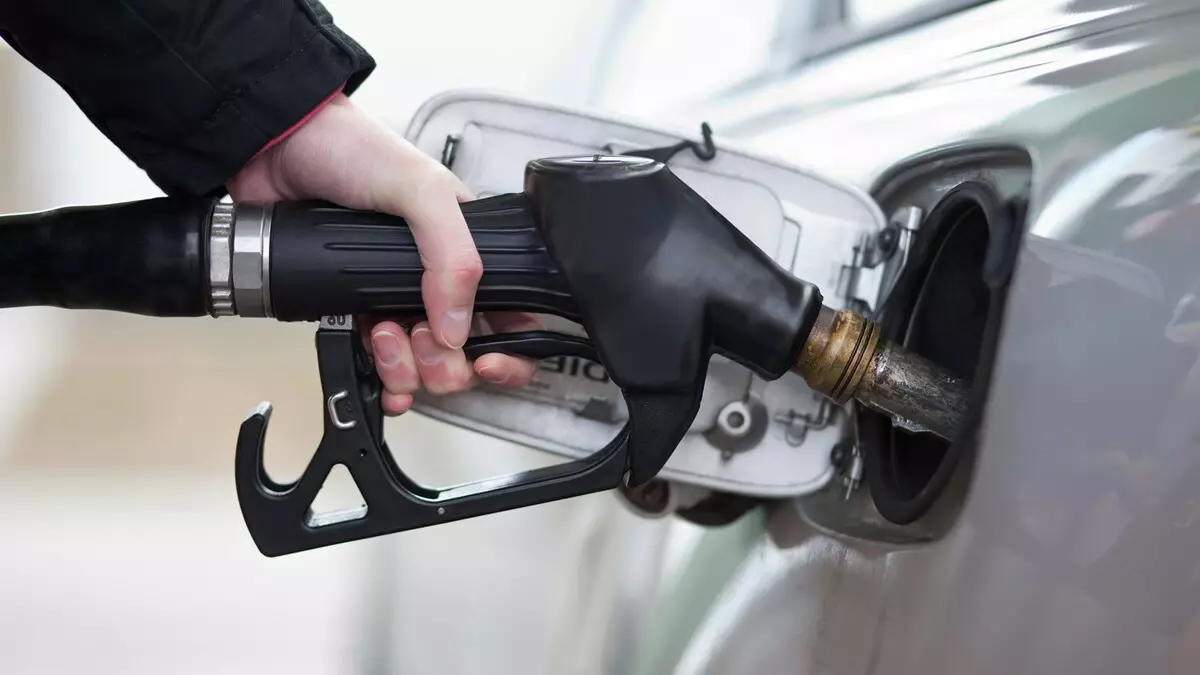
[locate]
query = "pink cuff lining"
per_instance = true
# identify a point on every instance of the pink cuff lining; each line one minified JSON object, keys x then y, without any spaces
{"x":301,"y":123}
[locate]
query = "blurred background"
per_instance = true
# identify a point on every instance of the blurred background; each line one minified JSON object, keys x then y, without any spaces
{"x":121,"y":546}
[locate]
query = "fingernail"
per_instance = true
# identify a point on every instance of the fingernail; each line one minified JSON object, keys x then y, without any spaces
{"x":424,"y":347}
{"x":456,"y":326}
{"x":387,"y":348}
{"x":493,"y":374}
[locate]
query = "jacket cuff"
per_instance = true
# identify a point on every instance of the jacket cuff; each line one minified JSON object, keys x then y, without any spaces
{"x":261,"y":113}
{"x":304,"y":120}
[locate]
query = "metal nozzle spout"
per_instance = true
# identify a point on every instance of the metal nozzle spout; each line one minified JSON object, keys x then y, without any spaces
{"x":845,"y":357}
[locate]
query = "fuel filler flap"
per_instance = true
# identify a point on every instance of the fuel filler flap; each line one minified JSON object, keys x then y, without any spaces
{"x":750,"y":437}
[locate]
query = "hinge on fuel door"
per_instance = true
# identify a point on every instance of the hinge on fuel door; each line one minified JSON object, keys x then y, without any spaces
{"x":876,"y":260}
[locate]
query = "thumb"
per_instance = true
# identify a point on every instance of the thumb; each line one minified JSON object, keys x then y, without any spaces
{"x":452,"y":264}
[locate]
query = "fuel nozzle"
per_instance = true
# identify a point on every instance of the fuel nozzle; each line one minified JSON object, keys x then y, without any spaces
{"x":845,"y":357}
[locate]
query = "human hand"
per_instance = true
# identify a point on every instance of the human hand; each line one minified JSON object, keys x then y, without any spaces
{"x":342,"y":155}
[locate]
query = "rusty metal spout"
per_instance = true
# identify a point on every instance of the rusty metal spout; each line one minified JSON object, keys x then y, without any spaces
{"x":845,"y":357}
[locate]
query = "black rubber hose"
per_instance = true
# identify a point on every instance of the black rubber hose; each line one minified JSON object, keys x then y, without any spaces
{"x":146,"y":257}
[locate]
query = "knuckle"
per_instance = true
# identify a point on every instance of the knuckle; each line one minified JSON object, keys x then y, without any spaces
{"x":398,"y":383}
{"x":467,"y":271}
{"x":441,"y":383}
{"x":460,"y":264}
{"x":460,"y":379}
{"x":459,"y":270}
{"x":440,"y":387}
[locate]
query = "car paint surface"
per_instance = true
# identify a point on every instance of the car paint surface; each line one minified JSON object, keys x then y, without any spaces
{"x":1076,"y":545}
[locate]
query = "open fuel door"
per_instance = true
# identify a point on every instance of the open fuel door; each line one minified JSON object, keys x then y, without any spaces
{"x":751,"y":437}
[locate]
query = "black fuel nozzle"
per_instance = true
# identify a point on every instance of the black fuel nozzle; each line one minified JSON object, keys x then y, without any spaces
{"x":659,"y":280}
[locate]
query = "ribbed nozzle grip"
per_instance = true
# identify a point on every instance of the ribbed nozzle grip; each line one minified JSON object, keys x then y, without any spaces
{"x":328,"y":260}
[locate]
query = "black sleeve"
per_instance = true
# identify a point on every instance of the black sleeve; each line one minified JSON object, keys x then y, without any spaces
{"x":189,"y":90}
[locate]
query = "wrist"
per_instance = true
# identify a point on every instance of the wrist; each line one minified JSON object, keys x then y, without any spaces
{"x":336,"y":97}
{"x":260,"y":179}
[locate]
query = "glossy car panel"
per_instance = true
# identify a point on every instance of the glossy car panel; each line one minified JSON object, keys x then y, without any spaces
{"x":1075,"y":548}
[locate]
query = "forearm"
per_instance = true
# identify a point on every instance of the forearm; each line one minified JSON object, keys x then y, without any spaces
{"x":189,"y":90}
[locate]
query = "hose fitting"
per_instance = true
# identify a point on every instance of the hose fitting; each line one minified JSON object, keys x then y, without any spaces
{"x":838,"y":353}
{"x":845,"y":357}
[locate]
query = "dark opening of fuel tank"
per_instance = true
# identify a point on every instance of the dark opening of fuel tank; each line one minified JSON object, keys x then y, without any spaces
{"x":939,"y":308}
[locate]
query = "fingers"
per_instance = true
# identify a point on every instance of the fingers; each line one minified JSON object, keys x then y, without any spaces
{"x":395,"y":365}
{"x":408,"y":361}
{"x":453,"y":268}
{"x":505,"y":371}
{"x":396,"y":404}
{"x":452,"y":263}
{"x":442,"y":370}
{"x":500,"y":369}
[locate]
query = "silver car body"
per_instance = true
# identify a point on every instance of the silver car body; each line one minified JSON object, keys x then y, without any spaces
{"x":1065,"y":539}
{"x":1071,"y":542}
